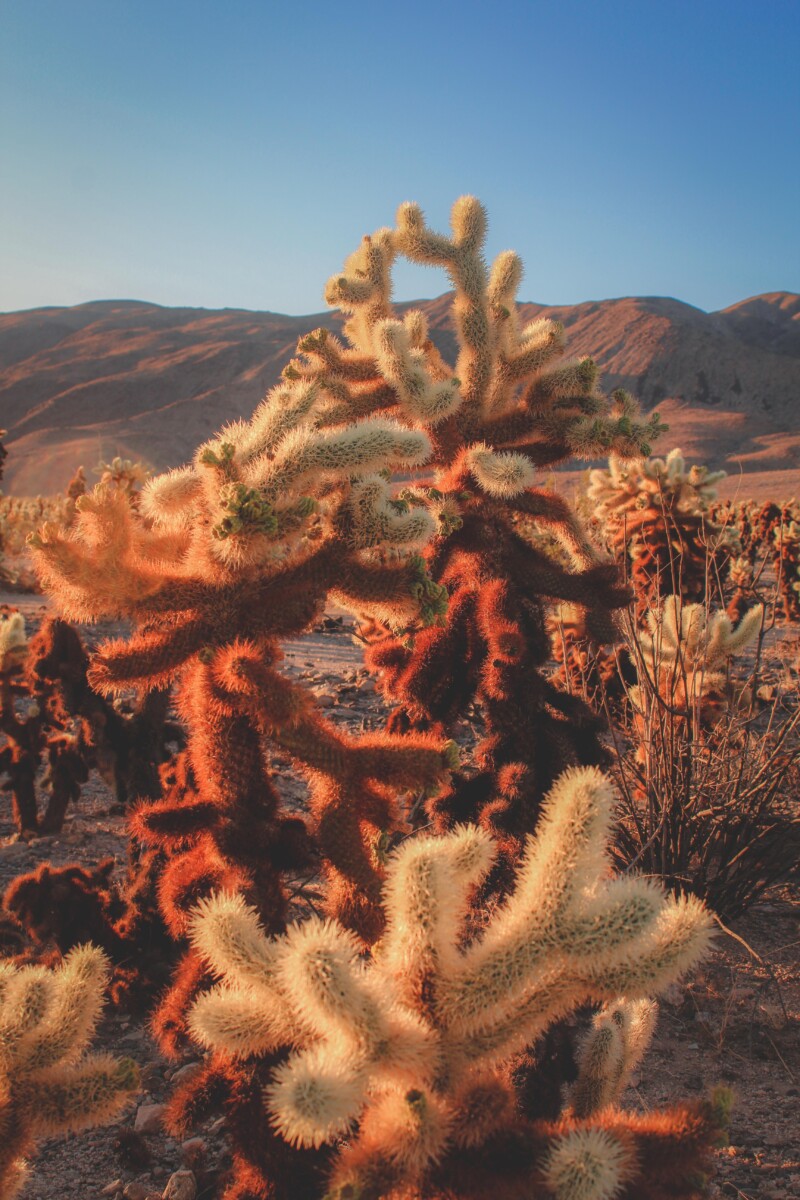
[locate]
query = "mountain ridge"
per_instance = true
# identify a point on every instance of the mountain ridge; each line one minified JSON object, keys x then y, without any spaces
{"x":150,"y":381}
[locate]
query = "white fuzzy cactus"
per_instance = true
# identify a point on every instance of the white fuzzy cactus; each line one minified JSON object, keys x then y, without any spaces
{"x":500,"y":473}
{"x":401,"y":1045}
{"x":587,"y":1164}
{"x":13,"y":639}
{"x":258,"y":497}
{"x":686,"y":651}
{"x":48,"y":1084}
{"x":741,"y":572}
{"x":628,"y":488}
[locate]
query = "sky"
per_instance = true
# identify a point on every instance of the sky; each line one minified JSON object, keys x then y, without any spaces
{"x":232,"y":154}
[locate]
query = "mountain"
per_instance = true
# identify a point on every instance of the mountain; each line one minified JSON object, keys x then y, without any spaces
{"x":81,"y":384}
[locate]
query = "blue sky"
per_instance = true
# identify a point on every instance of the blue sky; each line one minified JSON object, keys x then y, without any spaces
{"x":232,"y":154}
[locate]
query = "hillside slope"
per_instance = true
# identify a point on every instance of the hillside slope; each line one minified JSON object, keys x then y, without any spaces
{"x":80,"y":384}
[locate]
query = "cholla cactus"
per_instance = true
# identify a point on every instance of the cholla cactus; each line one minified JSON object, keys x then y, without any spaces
{"x":48,"y":1084}
{"x":221,"y":561}
{"x":227,"y":556}
{"x":13,"y":639}
{"x":686,"y":654}
{"x":741,"y":575}
{"x":657,"y":512}
{"x":403,"y":1054}
{"x":39,"y":731}
{"x":597,"y":673}
{"x":627,"y":488}
{"x":507,"y":406}
{"x":123,"y":475}
{"x":49,"y":714}
{"x":786,"y":542}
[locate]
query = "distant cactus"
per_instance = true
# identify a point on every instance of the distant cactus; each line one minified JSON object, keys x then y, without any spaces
{"x":403,"y":1055}
{"x":48,"y":1084}
{"x":657,"y":513}
{"x":39,"y":731}
{"x":595,"y":672}
{"x":686,"y":651}
{"x":50,"y":715}
{"x":786,"y":542}
{"x":741,"y":575}
{"x":768,"y":534}
{"x":122,"y":474}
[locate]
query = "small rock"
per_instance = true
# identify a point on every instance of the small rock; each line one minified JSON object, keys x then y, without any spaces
{"x":186,"y":1072}
{"x":193,"y":1151}
{"x":148,"y":1118}
{"x":111,"y":1189}
{"x":181,"y":1186}
{"x":135,"y":1191}
{"x":151,"y":1074}
{"x":326,"y":700}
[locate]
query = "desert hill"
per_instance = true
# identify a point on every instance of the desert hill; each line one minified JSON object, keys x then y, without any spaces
{"x":84,"y":383}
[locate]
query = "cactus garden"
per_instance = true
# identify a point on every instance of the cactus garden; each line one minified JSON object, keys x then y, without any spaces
{"x":380,"y":819}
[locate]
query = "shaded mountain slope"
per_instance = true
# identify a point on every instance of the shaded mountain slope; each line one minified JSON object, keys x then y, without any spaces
{"x":85,"y":383}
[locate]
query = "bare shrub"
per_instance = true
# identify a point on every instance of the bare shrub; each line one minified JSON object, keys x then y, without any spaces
{"x":708,"y":764}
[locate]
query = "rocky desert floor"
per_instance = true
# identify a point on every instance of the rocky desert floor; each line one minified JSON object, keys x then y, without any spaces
{"x":735,"y":1022}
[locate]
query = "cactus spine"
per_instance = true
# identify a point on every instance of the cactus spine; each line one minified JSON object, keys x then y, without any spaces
{"x":48,"y":1084}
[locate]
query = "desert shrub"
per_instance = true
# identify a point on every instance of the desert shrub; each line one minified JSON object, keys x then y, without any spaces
{"x":707,"y":771}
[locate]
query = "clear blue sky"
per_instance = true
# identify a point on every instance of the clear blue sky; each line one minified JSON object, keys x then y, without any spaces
{"x":191,"y":152}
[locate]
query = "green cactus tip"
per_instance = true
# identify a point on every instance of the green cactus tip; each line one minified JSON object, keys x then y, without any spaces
{"x":247,"y":511}
{"x":432,"y":597}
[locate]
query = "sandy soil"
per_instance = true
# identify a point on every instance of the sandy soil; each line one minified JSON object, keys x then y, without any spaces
{"x":735,"y":1022}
